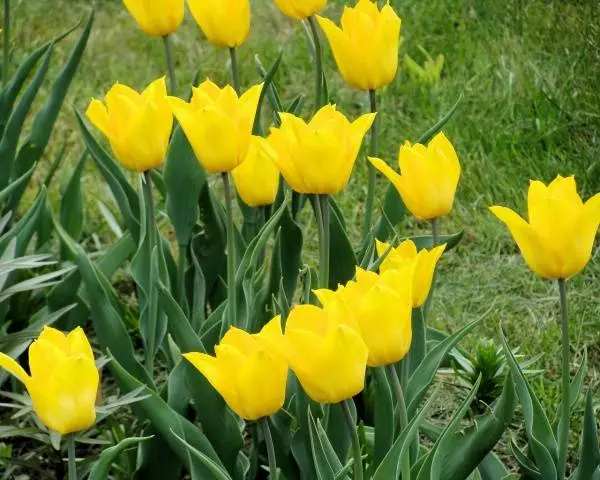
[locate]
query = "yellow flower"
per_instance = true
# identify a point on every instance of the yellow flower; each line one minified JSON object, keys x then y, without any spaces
{"x":257,"y":178}
{"x":225,"y":23}
{"x":64,"y":380}
{"x":328,"y":357}
{"x":156,"y":17}
{"x":300,"y":9}
{"x":248,"y":374}
{"x":557,"y":242}
{"x":379,"y":307}
{"x":428,"y":177}
{"x":366,"y":47}
{"x":218,"y":124}
{"x":138,"y":126}
{"x":425,"y":262}
{"x":318,"y":157}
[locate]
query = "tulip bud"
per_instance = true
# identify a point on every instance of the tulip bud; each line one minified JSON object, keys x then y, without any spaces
{"x":225,"y":23}
{"x":300,"y":9}
{"x":158,"y":17}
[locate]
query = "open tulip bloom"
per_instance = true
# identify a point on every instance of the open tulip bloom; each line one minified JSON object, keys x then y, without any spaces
{"x":63,"y":380}
{"x":428,"y":177}
{"x":158,"y":17}
{"x":137,"y":125}
{"x":366,"y":46}
{"x":557,"y":241}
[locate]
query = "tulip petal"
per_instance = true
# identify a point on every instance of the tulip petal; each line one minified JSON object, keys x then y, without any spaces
{"x":11,"y":365}
{"x":426,"y":262}
{"x":44,"y":356}
{"x":565,"y":188}
{"x":240,"y":340}
{"x":79,"y":344}
{"x":390,"y":174}
{"x":98,"y":115}
{"x":66,"y":401}
{"x":211,"y":368}
{"x":307,"y":317}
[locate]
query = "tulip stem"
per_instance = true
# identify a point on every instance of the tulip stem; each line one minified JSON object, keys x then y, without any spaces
{"x":321,"y":207}
{"x":434,"y":231}
{"x":563,"y":426}
{"x":71,"y":465}
{"x":356,"y":452}
{"x":397,"y":386}
{"x":6,"y":47}
{"x":231,"y":297}
{"x":264,"y":424}
{"x":371,"y":169}
{"x":170,"y":64}
{"x":152,"y":240}
{"x":318,"y":62}
{"x":234,"y":69}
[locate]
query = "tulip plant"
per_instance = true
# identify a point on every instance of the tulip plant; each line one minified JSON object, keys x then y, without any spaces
{"x":253,"y":360}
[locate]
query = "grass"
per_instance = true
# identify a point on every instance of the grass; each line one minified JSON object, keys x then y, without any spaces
{"x":528,"y":71}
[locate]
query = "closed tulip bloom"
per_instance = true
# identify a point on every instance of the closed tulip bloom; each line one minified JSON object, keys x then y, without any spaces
{"x":63,"y":383}
{"x":379,"y":307}
{"x":300,"y":9}
{"x":218,"y":124}
{"x":225,"y":23}
{"x":318,"y":157}
{"x":366,"y":46}
{"x":246,"y":371}
{"x":425,"y":262}
{"x":557,"y":241}
{"x":257,"y":178}
{"x":328,"y":357}
{"x":156,"y":17}
{"x":137,"y":125}
{"x":428,"y":177}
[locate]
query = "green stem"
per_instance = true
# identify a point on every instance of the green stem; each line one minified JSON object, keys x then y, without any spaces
{"x":358,"y":467}
{"x":563,"y":427}
{"x":321,"y":207}
{"x":72,"y":466}
{"x":6,"y":47}
{"x":170,"y":64}
{"x":434,"y":231}
{"x":152,"y":240}
{"x":234,"y":70}
{"x":181,"y":264}
{"x":264,"y":424}
{"x":318,"y":63}
{"x":232,"y":305}
{"x":397,"y":387}
{"x":371,"y":181}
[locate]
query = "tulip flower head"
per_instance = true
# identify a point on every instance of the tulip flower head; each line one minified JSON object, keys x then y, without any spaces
{"x":156,"y":17}
{"x":318,"y":157}
{"x":218,"y":124}
{"x":63,"y":383}
{"x":225,"y":23}
{"x":257,"y":177}
{"x":328,"y":357}
{"x":246,"y":371}
{"x":428,"y":177}
{"x":425,"y":262}
{"x":137,"y":125}
{"x":557,"y":241}
{"x":379,"y":308}
{"x":300,"y":9}
{"x":366,"y":46}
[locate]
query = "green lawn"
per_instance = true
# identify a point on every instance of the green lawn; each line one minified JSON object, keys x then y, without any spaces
{"x":529,"y":74}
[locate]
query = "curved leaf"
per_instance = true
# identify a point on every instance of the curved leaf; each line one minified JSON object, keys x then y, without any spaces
{"x":101,"y":468}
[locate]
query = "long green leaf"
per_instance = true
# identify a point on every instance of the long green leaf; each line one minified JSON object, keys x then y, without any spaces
{"x":17,"y":183}
{"x":492,"y":468}
{"x":267,"y":81}
{"x":325,"y":460}
{"x":218,"y":473}
{"x":101,"y":467}
{"x":342,"y":260}
{"x":384,"y":416}
{"x":589,"y":454}
{"x":71,"y":207}
{"x":26,"y":226}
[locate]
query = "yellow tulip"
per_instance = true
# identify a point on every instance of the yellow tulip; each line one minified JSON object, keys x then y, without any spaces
{"x":138,"y":126}
{"x":156,"y":17}
{"x":246,"y":371}
{"x":366,"y":47}
{"x":379,"y":307}
{"x":318,"y":157}
{"x":218,"y":124}
{"x":300,"y":9}
{"x":557,"y":242}
{"x":428,"y":177}
{"x":257,"y":178}
{"x":64,"y":380}
{"x":328,"y":357}
{"x":225,"y":23}
{"x":425,"y":262}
